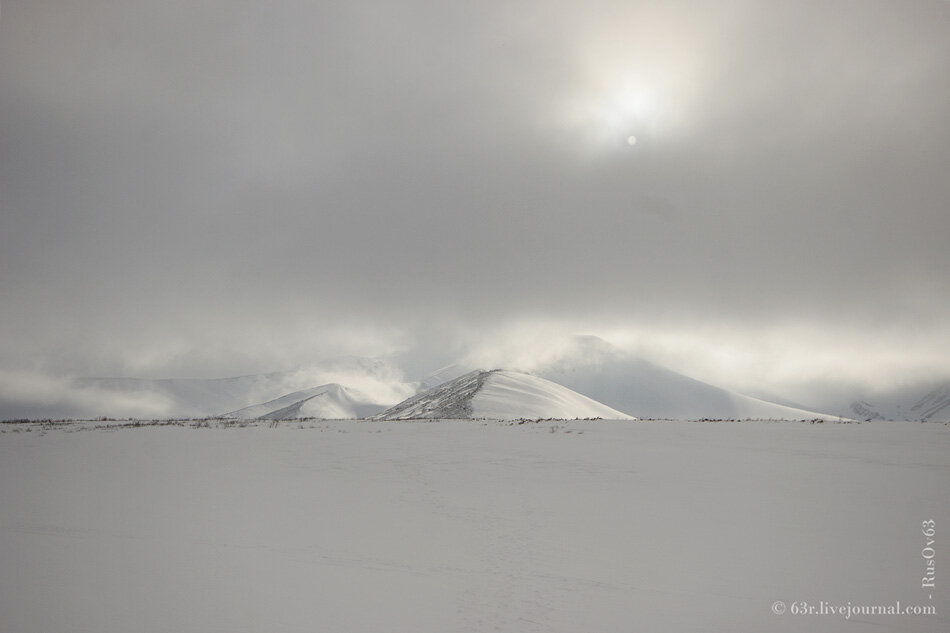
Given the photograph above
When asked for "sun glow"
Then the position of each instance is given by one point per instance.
(616, 118)
(628, 94)
(628, 112)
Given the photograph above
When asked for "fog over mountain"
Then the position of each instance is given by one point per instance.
(750, 193)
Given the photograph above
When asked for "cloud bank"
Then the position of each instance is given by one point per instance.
(232, 187)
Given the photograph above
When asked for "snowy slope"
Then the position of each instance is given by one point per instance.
(502, 395)
(930, 403)
(934, 405)
(331, 401)
(593, 367)
(597, 369)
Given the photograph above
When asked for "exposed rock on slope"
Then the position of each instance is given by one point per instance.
(500, 394)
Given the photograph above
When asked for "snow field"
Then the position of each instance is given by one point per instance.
(466, 526)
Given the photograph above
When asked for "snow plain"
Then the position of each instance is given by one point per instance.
(468, 526)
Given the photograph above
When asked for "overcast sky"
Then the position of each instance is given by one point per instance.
(223, 187)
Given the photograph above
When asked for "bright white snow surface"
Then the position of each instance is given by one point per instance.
(468, 526)
(510, 394)
(503, 395)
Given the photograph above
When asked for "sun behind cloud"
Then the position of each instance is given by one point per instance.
(626, 90)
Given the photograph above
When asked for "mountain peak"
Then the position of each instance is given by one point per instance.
(500, 394)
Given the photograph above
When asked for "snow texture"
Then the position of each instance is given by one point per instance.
(468, 526)
(502, 395)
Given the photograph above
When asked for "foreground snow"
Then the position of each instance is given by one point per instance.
(467, 526)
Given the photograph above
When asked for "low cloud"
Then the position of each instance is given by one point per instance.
(214, 189)
(38, 395)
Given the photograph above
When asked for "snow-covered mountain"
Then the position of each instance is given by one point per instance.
(500, 394)
(593, 367)
(443, 375)
(932, 405)
(377, 381)
(331, 402)
(586, 364)
(601, 371)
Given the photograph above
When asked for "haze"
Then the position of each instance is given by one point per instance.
(221, 188)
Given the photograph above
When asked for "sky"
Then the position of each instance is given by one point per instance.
(750, 192)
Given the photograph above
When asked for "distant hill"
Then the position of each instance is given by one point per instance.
(931, 405)
(593, 367)
(375, 380)
(331, 401)
(500, 394)
(597, 369)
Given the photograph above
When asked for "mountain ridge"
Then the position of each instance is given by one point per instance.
(331, 401)
(499, 394)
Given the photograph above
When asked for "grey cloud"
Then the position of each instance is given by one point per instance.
(228, 175)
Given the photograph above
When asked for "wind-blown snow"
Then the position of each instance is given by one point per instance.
(500, 395)
(330, 402)
(377, 380)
